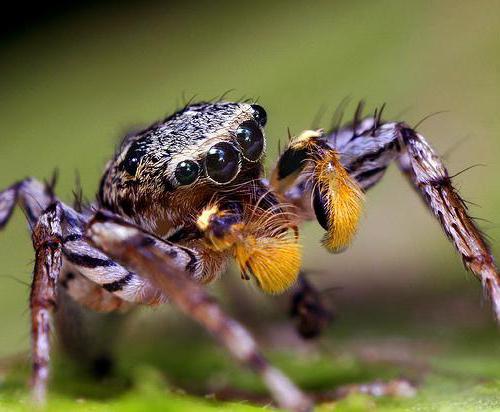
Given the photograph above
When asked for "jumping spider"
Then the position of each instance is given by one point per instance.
(184, 196)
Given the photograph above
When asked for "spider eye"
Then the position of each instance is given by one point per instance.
(259, 114)
(187, 172)
(251, 140)
(222, 162)
(133, 158)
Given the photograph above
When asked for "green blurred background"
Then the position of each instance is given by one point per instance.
(73, 82)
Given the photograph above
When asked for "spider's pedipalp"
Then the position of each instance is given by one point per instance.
(263, 242)
(135, 249)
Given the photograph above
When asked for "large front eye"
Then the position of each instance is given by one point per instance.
(187, 172)
(251, 140)
(222, 162)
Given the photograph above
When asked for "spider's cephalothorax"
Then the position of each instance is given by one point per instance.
(182, 197)
(196, 178)
(171, 170)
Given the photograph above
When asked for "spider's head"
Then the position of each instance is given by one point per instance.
(172, 168)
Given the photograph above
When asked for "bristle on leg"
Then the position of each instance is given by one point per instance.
(337, 201)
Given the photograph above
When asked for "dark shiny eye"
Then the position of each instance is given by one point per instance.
(222, 162)
(133, 157)
(251, 140)
(259, 114)
(187, 172)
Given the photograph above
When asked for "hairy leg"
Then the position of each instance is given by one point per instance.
(365, 148)
(135, 249)
(308, 310)
(48, 262)
(51, 224)
(430, 178)
(33, 197)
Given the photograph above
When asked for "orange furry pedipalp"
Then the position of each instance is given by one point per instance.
(269, 249)
(340, 199)
(273, 261)
(264, 244)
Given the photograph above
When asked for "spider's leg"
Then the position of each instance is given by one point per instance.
(33, 197)
(136, 250)
(309, 174)
(111, 277)
(89, 294)
(430, 178)
(44, 214)
(365, 150)
(47, 241)
(366, 154)
(308, 309)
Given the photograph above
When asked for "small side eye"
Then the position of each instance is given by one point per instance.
(187, 172)
(259, 114)
(222, 163)
(251, 140)
(133, 158)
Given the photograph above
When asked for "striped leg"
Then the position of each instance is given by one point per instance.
(82, 259)
(113, 278)
(365, 149)
(367, 153)
(44, 217)
(51, 222)
(33, 196)
(48, 248)
(137, 250)
(90, 294)
(430, 178)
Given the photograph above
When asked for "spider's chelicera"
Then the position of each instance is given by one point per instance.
(183, 197)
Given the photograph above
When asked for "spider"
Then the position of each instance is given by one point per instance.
(184, 196)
